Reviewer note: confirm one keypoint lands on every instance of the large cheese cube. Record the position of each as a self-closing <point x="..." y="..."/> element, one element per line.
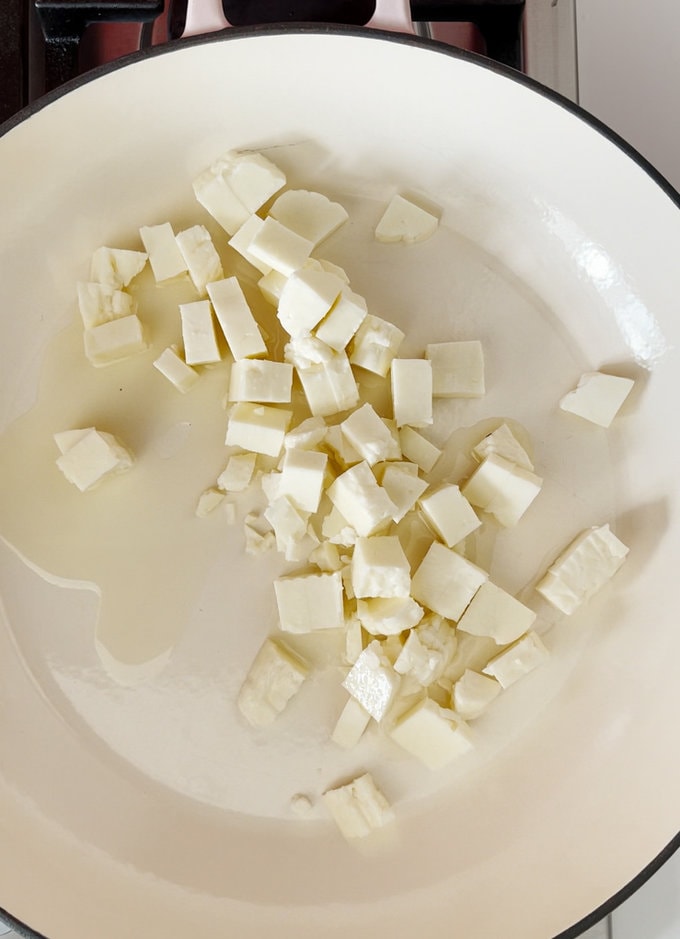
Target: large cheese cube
<point x="306" y="298"/>
<point x="388" y="616"/>
<point x="165" y="257"/>
<point x="236" y="185"/>
<point x="325" y="375"/>
<point x="302" y="477"/>
<point x="173" y="367"/>
<point x="411" y="383"/>
<point x="583" y="568"/>
<point x="260" y="380"/>
<point x="236" y="319"/>
<point x="457" y="369"/>
<point x="100" y="303"/>
<point x="360" y="500"/>
<point x="279" y="247"/>
<point x="274" y="678"/>
<point x="116" y="266"/>
<point x="432" y="734"/>
<point x="307" y="602"/>
<point x="405" y="221"/>
<point x="214" y="193"/>
<point x="359" y="807"/>
<point x="372" y="681"/>
<point x="344" y="318"/>
<point x="445" y="582"/>
<point x="449" y="513"/>
<point x="380" y="568"/>
<point x="375" y="344"/>
<point x="522" y="657"/>
<point x="494" y="612"/>
<point x="598" y="397"/>
<point x="198" y="333"/>
<point x="473" y="693"/>
<point x="368" y="434"/>
<point x="118" y="339"/>
<point x="257" y="427"/>
<point x="88" y="456"/>
<point x="310" y="214"/>
<point x="200" y="256"/>
<point x="502" y="489"/>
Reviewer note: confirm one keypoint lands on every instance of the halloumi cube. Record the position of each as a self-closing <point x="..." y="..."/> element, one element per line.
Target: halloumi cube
<point x="274" y="678"/>
<point x="432" y="734"/>
<point x="502" y="489"/>
<point x="307" y="602"/>
<point x="494" y="612"/>
<point x="445" y="582"/>
<point x="88" y="456"/>
<point x="457" y="368"/>
<point x="598" y="397"/>
<point x="359" y="807"/>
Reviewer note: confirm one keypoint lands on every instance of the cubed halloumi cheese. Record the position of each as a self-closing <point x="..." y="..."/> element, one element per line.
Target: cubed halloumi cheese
<point x="291" y="529"/>
<point x="343" y="319"/>
<point x="598" y="397"/>
<point x="428" y="650"/>
<point x="310" y="214"/>
<point x="520" y="658"/>
<point x="457" y="368"/>
<point x="165" y="258"/>
<point x="116" y="266"/>
<point x="449" y="513"/>
<point x="200" y="256"/>
<point x="445" y="582"/>
<point x="236" y="318"/>
<point x="502" y="489"/>
<point x="261" y="380"/>
<point x="360" y="500"/>
<point x="302" y="477"/>
<point x="173" y="367"/>
<point x="583" y="568"/>
<point x="238" y="473"/>
<point x="279" y="247"/>
<point x="405" y="221"/>
<point x="118" y="339"/>
<point x="494" y="612"/>
<point x="372" y="681"/>
<point x="99" y="303"/>
<point x="388" y="616"/>
<point x="237" y="185"/>
<point x="411" y="385"/>
<point x="88" y="456"/>
<point x="370" y="436"/>
<point x="473" y="693"/>
<point x="198" y="333"/>
<point x="375" y="344"/>
<point x="418" y="449"/>
<point x="359" y="807"/>
<point x="307" y="435"/>
<point x="326" y="376"/>
<point x="432" y="734"/>
<point x="307" y="602"/>
<point x="274" y="678"/>
<point x="306" y="298"/>
<point x="351" y="724"/>
<point x="504" y="443"/>
<point x="241" y="242"/>
<point x="257" y="427"/>
<point x="403" y="487"/>
<point x="380" y="568"/>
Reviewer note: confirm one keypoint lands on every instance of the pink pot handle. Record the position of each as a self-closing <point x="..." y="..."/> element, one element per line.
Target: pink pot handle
<point x="207" y="16"/>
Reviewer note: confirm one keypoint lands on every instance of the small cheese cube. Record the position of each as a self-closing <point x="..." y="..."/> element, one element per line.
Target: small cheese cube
<point x="598" y="398"/>
<point x="237" y="185"/>
<point x="359" y="807"/>
<point x="242" y="239"/>
<point x="302" y="477"/>
<point x="449" y="513"/>
<point x="257" y="427"/>
<point x="380" y="568"/>
<point x="340" y="447"/>
<point x="274" y="678"/>
<point x="165" y="257"/>
<point x="375" y="344"/>
<point x="238" y="473"/>
<point x="200" y="256"/>
<point x="310" y="214"/>
<point x="208" y="501"/>
<point x="418" y="449"/>
<point x="236" y="319"/>
<point x="432" y="734"/>
<point x="373" y="681"/>
<point x="411" y="383"/>
<point x="351" y="725"/>
<point x="445" y="582"/>
<point x="403" y="488"/>
<point x="494" y="612"/>
<point x="522" y="657"/>
<point x="344" y="318"/>
<point x="260" y="380"/>
<point x="326" y="556"/>
<point x="473" y="693"/>
<point x="198" y="333"/>
<point x="118" y="339"/>
<point x="368" y="434"/>
<point x="258" y="535"/>
<point x="289" y="524"/>
<point x="326" y="376"/>
<point x="88" y="456"/>
<point x="388" y="616"/>
<point x="428" y="650"/>
<point x="307" y="435"/>
<point x="279" y="247"/>
<point x="214" y="193"/>
<point x="270" y="284"/>
<point x="405" y="221"/>
<point x="457" y="369"/>
<point x="99" y="303"/>
<point x="503" y="442"/>
<point x="583" y="568"/>
<point x="360" y="500"/>
<point x="171" y="365"/>
<point x="307" y="602"/>
<point x="502" y="489"/>
<point x="306" y="298"/>
<point x="116" y="266"/>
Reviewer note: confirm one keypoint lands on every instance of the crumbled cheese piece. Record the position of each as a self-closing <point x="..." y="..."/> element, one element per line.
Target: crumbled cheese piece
<point x="380" y="568"/>
<point x="473" y="693"/>
<point x="173" y="367"/>
<point x="99" y="303"/>
<point x="344" y="318"/>
<point x="340" y="447"/>
<point x="375" y="344"/>
<point x="354" y="639"/>
<point x="165" y="257"/>
<point x="200" y="256"/>
<point x="310" y="214"/>
<point x="504" y="443"/>
<point x="432" y="734"/>
<point x="405" y="221"/>
<point x="261" y="380"/>
<point x="445" y="582"/>
<point x="238" y="473"/>
<point x="583" y="568"/>
<point x="118" y="339"/>
<point x="208" y="502"/>
<point x="351" y="725"/>
<point x="418" y="449"/>
<point x="257" y="427"/>
<point x="279" y="247"/>
<point x="449" y="513"/>
<point x="522" y="657"/>
<point x="274" y="678"/>
<point x="326" y="376"/>
<point x="326" y="556"/>
<point x="290" y="528"/>
<point x="307" y="602"/>
<point x="494" y="612"/>
<point x="598" y="397"/>
<point x="502" y="489"/>
<point x="457" y="369"/>
<point x="360" y="500"/>
<point x="411" y="384"/>
<point x="359" y="807"/>
<point x="368" y="434"/>
<point x="88" y="456"/>
<point x="116" y="266"/>
<point x="428" y="650"/>
<point x="388" y="616"/>
<point x="198" y="333"/>
<point x="306" y="298"/>
<point x="259" y="539"/>
<point x="373" y="681"/>
<point x="236" y="319"/>
<point x="307" y="435"/>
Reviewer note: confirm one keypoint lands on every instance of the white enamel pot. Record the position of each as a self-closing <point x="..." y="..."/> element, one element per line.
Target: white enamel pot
<point x="133" y="802"/>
